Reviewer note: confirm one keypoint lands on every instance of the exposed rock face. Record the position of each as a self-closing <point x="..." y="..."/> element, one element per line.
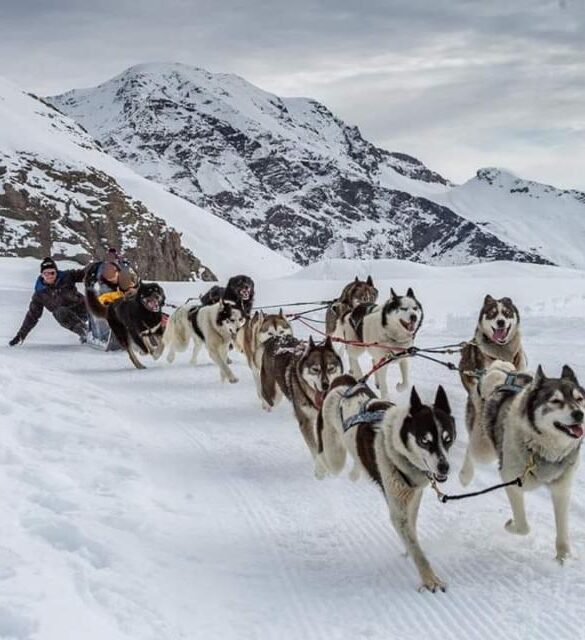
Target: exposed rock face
<point x="55" y="209"/>
<point x="285" y="170"/>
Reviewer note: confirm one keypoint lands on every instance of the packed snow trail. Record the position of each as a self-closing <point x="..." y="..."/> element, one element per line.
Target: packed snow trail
<point x="161" y="504"/>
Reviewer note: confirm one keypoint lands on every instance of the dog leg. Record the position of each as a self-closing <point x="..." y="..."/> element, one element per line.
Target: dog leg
<point x="219" y="358"/>
<point x="307" y="431"/>
<point x="467" y="470"/>
<point x="382" y="383"/>
<point x="518" y="523"/>
<point x="404" y="384"/>
<point x="401" y="519"/>
<point x="354" y="365"/>
<point x="134" y="359"/>
<point x="197" y="344"/>
<point x="561" y="495"/>
<point x="171" y="354"/>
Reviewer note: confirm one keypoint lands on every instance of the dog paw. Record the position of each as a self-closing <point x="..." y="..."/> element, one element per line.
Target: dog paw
<point x="512" y="527"/>
<point x="401" y="386"/>
<point x="233" y="379"/>
<point x="563" y="553"/>
<point x="266" y="406"/>
<point x="465" y="476"/>
<point x="354" y="474"/>
<point x="433" y="584"/>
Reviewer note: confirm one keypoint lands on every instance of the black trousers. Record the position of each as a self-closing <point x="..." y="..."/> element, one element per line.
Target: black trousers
<point x="73" y="318"/>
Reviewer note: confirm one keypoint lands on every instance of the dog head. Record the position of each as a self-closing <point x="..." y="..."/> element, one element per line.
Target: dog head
<point x="359" y="292"/>
<point x="498" y="319"/>
<point x="230" y="317"/>
<point x="239" y="288"/>
<point x="273" y="325"/>
<point x="555" y="406"/>
<point x="427" y="434"/>
<point x="403" y="313"/>
<point x="319" y="365"/>
<point x="151" y="296"/>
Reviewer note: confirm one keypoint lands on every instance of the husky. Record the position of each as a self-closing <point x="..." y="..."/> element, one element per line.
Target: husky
<point x="302" y="371"/>
<point x="400" y="448"/>
<point x="534" y="426"/>
<point x="354" y="293"/>
<point x="394" y="323"/>
<point x="214" y="326"/>
<point x="497" y="337"/>
<point x="252" y="336"/>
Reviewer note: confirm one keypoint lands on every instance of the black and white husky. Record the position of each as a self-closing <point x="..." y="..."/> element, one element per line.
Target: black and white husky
<point x="534" y="426"/>
<point x="394" y="323"/>
<point x="214" y="326"/>
<point x="400" y="448"/>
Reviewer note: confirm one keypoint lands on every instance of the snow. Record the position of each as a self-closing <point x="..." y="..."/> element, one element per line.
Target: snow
<point x="32" y="129"/>
<point x="161" y="504"/>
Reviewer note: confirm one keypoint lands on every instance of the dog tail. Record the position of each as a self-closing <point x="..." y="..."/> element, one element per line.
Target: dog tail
<point x="177" y="331"/>
<point x="94" y="305"/>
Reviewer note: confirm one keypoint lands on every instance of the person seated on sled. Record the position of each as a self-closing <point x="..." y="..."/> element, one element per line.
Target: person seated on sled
<point x="111" y="279"/>
<point x="55" y="291"/>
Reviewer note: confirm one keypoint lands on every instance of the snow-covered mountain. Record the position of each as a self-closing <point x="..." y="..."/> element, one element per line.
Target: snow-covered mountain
<point x="62" y="195"/>
<point x="286" y="170"/>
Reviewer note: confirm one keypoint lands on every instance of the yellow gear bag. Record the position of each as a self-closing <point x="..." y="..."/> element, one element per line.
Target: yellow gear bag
<point x="110" y="296"/>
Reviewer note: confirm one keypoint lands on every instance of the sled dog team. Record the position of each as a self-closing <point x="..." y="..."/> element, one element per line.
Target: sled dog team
<point x="532" y="425"/>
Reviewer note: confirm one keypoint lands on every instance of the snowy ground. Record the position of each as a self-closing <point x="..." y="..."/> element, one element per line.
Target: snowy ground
<point x="161" y="504"/>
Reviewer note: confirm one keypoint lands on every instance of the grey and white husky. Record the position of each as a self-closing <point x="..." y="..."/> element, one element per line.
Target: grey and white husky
<point x="400" y="448"/>
<point x="497" y="337"/>
<point x="534" y="426"/>
<point x="394" y="323"/>
<point x="214" y="326"/>
<point x="302" y="371"/>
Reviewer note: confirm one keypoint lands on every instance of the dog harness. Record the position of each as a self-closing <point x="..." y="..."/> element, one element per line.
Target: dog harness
<point x="363" y="417"/>
<point x="193" y="319"/>
<point x="356" y="318"/>
<point x="511" y="384"/>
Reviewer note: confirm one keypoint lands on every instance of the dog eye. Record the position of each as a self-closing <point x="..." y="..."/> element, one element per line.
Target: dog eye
<point x="557" y="401"/>
<point x="315" y="369"/>
<point x="331" y="368"/>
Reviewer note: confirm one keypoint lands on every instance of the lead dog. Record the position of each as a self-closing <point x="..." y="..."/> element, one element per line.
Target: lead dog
<point x="214" y="326"/>
<point x="399" y="448"/>
<point x="394" y="323"/>
<point x="252" y="336"/>
<point x="302" y="371"/>
<point x="534" y="426"/>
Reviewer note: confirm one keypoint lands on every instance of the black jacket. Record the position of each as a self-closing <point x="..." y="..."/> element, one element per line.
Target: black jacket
<point x="61" y="294"/>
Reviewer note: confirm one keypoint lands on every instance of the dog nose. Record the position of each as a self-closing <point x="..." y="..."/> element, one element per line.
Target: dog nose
<point x="443" y="467"/>
<point x="413" y="317"/>
<point x="501" y="323"/>
<point x="325" y="385"/>
<point x="577" y="415"/>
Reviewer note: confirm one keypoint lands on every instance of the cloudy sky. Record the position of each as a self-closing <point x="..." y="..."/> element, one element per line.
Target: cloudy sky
<point x="460" y="84"/>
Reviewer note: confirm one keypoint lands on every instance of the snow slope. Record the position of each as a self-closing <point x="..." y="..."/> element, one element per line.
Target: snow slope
<point x="162" y="505"/>
<point x="32" y="131"/>
<point x="537" y="217"/>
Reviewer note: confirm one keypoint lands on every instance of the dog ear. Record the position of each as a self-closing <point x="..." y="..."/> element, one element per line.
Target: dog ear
<point x="488" y="300"/>
<point x="415" y="402"/>
<point x="356" y="279"/>
<point x="441" y="401"/>
<point x="410" y="293"/>
<point x="568" y="374"/>
<point x="311" y="343"/>
<point x="539" y="377"/>
<point x="393" y="294"/>
<point x="370" y="281"/>
<point x="328" y="344"/>
<point x="281" y="313"/>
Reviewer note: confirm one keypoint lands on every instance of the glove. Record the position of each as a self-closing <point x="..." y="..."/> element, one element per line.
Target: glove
<point x="16" y="340"/>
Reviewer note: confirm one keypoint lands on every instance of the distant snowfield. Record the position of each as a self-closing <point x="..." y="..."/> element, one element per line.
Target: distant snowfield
<point x="163" y="505"/>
